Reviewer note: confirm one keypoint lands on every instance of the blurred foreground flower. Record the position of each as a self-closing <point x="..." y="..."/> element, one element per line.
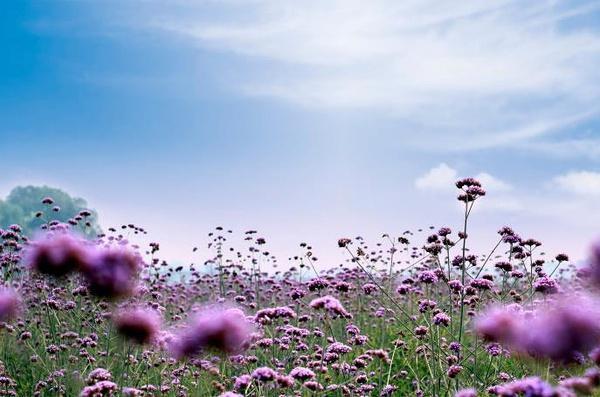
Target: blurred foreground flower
<point x="226" y="331"/>
<point x="112" y="272"/>
<point x="139" y="325"/>
<point x="561" y="332"/>
<point x="57" y="254"/>
<point x="9" y="304"/>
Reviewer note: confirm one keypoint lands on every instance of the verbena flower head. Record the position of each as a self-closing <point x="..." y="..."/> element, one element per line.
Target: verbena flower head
<point x="98" y="375"/>
<point x="242" y="382"/>
<point x="560" y="332"/>
<point x="546" y="285"/>
<point x="428" y="277"/>
<point x="112" y="272"/>
<point x="467" y="182"/>
<point x="593" y="269"/>
<point x="302" y="373"/>
<point x="527" y="387"/>
<point x="466" y="393"/>
<point x="264" y="374"/>
<point x="222" y="330"/>
<point x="330" y="304"/>
<point x="57" y="254"/>
<point x="498" y="324"/>
<point x="10" y="304"/>
<point x="139" y="325"/>
<point x="102" y="388"/>
<point x="471" y="188"/>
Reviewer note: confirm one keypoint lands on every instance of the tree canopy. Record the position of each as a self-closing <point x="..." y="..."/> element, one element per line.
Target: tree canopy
<point x="24" y="202"/>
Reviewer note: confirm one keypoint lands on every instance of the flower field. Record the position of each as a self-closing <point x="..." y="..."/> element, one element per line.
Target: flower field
<point x="414" y="314"/>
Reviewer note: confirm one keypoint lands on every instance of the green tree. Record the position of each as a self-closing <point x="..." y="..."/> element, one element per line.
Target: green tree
<point x="24" y="202"/>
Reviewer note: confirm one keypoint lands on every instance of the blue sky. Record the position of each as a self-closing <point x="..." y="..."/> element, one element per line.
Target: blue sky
<point x="308" y="122"/>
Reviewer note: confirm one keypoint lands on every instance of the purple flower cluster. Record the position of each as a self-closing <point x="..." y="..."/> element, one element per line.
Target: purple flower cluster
<point x="330" y="304"/>
<point x="559" y="332"/>
<point x="224" y="330"/>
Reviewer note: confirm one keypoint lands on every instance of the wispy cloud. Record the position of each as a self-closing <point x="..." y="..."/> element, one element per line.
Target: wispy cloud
<point x="586" y="148"/>
<point x="486" y="73"/>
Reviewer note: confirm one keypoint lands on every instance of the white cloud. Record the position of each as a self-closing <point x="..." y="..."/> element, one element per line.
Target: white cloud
<point x="492" y="183"/>
<point x="489" y="73"/>
<point x="584" y="183"/>
<point x="500" y="199"/>
<point x="441" y="177"/>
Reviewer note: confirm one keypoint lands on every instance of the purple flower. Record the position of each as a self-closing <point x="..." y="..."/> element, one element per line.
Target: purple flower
<point x="317" y="284"/>
<point x="455" y="285"/>
<point x="338" y="348"/>
<point x="494" y="349"/>
<point x="388" y="390"/>
<point x="227" y="331"/>
<point x="102" y="388"/>
<point x="466" y="393"/>
<point x="593" y="269"/>
<point x="57" y="254"/>
<point x="454" y="346"/>
<point x="546" y="285"/>
<point x="139" y="325"/>
<point x="271" y="313"/>
<point x="132" y="392"/>
<point x="498" y="324"/>
<point x="369" y="288"/>
<point x="285" y="381"/>
<point x="467" y="182"/>
<point x="482" y="284"/>
<point x="427" y="277"/>
<point x="313" y="385"/>
<point x="505" y="266"/>
<point x="330" y="304"/>
<point x="421" y="330"/>
<point x="264" y="374"/>
<point x="242" y="382"/>
<point x="444" y="231"/>
<point x="453" y="371"/>
<point x="302" y="373"/>
<point x="441" y="319"/>
<point x="10" y="304"/>
<point x="560" y="332"/>
<point x="343" y="242"/>
<point x="112" y="272"/>
<point x="527" y="387"/>
<point x="97" y="375"/>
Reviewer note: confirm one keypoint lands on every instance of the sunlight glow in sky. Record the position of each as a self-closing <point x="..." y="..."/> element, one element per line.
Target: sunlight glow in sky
<point x="308" y="122"/>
